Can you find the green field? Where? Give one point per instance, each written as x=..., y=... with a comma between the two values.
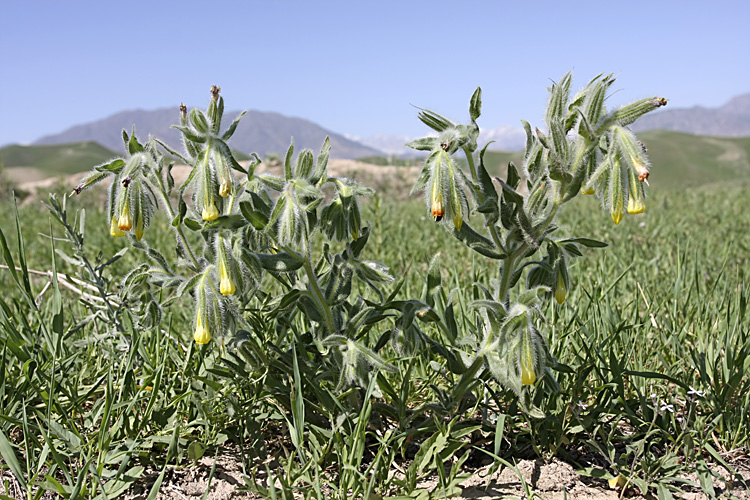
x=324, y=378
x=659, y=312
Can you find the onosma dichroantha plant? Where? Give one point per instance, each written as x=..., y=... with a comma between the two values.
x=585, y=149
x=258, y=253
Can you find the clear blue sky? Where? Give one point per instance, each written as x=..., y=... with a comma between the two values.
x=356, y=67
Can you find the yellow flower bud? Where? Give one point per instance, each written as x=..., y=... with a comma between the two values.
x=636, y=206
x=560, y=290
x=225, y=189
x=226, y=285
x=588, y=190
x=114, y=229
x=528, y=375
x=438, y=211
x=617, y=482
x=202, y=335
x=125, y=222
x=210, y=212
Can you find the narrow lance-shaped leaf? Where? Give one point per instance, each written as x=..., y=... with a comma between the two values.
x=475, y=105
x=322, y=162
x=288, y=174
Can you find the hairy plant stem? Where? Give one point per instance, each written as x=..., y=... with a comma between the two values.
x=510, y=261
x=167, y=204
x=506, y=273
x=472, y=166
x=95, y=277
x=317, y=293
x=468, y=378
x=475, y=177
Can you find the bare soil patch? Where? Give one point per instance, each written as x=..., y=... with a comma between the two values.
x=396, y=181
x=549, y=480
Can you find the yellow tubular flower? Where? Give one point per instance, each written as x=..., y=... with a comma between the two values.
x=636, y=206
x=202, y=335
x=114, y=229
x=210, y=212
x=226, y=285
x=528, y=375
x=438, y=211
x=125, y=222
x=225, y=189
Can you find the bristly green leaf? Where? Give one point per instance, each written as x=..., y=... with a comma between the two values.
x=190, y=134
x=424, y=144
x=558, y=100
x=490, y=207
x=476, y=241
x=226, y=153
x=304, y=164
x=198, y=121
x=133, y=145
x=281, y=262
x=435, y=121
x=258, y=219
x=433, y=280
x=275, y=183
x=232, y=127
x=231, y=222
x=475, y=105
x=288, y=173
x=322, y=162
x=587, y=242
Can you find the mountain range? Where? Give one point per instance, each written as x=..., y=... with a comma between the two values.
x=258, y=131
x=268, y=132
x=730, y=120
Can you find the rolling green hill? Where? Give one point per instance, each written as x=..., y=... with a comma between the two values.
x=56, y=159
x=678, y=160
x=31, y=163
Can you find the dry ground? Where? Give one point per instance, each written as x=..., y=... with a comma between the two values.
x=552, y=480
x=396, y=181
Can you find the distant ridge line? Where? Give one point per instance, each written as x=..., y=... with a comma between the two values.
x=259, y=132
